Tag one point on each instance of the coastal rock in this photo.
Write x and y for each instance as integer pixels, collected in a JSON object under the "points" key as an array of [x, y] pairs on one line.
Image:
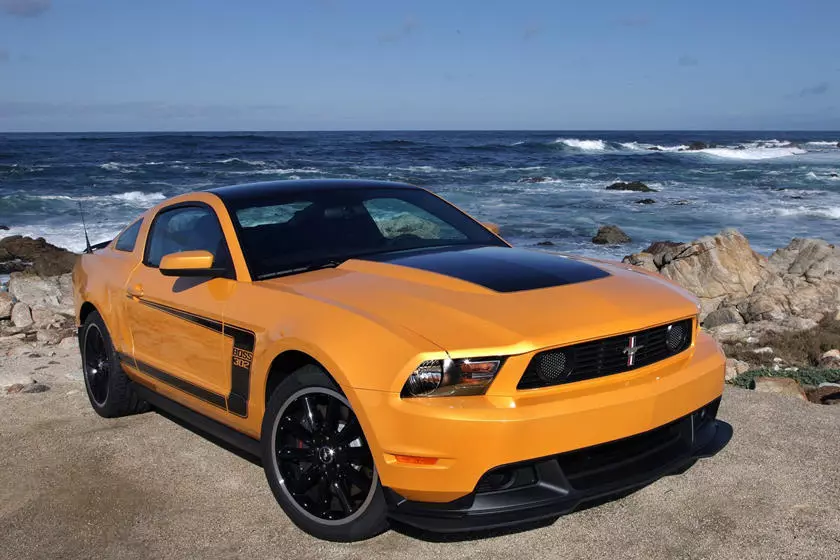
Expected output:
{"points": [[697, 145], [824, 394], [36, 255], [662, 251], [723, 316], [21, 315], [4, 227], [545, 244], [779, 385], [636, 186], [830, 359], [610, 235], [6, 304], [715, 269], [805, 283], [734, 368], [534, 179], [646, 201], [52, 336], [68, 343], [53, 293], [642, 260]]}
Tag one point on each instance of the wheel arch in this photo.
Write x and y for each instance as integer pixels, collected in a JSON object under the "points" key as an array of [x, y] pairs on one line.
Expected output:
{"points": [[285, 364]]}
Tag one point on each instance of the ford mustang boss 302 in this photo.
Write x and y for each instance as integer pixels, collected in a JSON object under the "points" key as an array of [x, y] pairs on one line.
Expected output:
{"points": [[387, 357]]}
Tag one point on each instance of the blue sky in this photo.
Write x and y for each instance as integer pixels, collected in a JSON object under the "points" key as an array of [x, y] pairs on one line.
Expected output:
{"points": [[357, 64]]}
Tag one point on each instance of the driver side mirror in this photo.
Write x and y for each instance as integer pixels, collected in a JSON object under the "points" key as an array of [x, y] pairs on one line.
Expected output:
{"points": [[492, 227], [190, 263]]}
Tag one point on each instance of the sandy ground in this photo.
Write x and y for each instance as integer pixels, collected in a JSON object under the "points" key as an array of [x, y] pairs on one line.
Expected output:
{"points": [[73, 485]]}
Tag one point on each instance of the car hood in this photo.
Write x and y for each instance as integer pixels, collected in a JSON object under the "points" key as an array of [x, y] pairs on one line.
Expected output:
{"points": [[471, 301]]}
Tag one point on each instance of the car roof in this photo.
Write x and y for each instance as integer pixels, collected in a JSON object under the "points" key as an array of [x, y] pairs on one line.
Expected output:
{"points": [[267, 188]]}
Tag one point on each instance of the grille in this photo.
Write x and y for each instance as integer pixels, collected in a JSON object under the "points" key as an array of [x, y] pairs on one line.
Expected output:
{"points": [[606, 356]]}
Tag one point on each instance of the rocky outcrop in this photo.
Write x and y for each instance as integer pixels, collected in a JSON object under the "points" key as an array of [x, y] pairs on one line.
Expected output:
{"points": [[18, 253], [646, 201], [697, 145], [610, 235], [717, 269], [830, 359], [6, 304], [636, 186], [54, 293]]}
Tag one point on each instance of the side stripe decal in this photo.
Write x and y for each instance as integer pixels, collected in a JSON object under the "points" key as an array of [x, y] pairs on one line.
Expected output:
{"points": [[206, 395], [240, 361]]}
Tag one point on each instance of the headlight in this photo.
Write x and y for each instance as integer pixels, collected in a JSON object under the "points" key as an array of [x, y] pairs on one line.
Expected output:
{"points": [[437, 378]]}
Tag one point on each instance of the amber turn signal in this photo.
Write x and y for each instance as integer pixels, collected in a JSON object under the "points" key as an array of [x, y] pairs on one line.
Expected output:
{"points": [[412, 460]]}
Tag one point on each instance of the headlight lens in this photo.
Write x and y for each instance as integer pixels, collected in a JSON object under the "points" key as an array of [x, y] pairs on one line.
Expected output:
{"points": [[437, 378]]}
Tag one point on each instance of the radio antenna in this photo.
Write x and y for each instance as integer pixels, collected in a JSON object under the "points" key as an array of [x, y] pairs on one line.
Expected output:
{"points": [[84, 227]]}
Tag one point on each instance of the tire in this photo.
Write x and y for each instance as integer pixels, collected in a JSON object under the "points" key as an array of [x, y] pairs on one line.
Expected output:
{"points": [[108, 388], [311, 462]]}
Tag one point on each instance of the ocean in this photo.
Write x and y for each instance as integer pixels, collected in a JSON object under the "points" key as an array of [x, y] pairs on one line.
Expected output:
{"points": [[538, 186]]}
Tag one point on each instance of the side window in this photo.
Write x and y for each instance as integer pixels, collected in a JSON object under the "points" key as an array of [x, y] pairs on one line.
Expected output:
{"points": [[189, 228], [396, 218], [128, 238]]}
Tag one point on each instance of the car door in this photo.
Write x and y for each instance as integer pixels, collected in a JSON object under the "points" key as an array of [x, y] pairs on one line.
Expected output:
{"points": [[176, 323]]}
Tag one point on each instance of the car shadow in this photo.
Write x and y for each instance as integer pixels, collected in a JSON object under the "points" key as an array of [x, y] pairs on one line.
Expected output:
{"points": [[251, 458]]}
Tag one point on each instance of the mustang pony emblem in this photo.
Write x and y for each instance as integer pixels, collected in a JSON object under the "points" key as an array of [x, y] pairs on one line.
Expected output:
{"points": [[631, 351]]}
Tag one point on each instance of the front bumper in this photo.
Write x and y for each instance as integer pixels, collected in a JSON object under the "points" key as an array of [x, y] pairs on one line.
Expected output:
{"points": [[470, 436], [552, 486]]}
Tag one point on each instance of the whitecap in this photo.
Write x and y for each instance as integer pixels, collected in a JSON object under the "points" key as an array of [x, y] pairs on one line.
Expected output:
{"points": [[822, 143], [586, 145], [256, 162], [751, 153], [136, 197], [832, 212]]}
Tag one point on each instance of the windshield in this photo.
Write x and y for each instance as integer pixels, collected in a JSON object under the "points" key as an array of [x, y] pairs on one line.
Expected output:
{"points": [[293, 232]]}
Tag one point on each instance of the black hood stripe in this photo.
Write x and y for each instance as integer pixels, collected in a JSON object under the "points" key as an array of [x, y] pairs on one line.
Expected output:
{"points": [[501, 269]]}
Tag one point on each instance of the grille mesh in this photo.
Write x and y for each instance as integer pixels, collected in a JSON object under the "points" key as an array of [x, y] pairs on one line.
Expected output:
{"points": [[606, 356]]}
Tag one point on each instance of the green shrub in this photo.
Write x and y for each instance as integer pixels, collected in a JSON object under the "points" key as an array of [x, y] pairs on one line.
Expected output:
{"points": [[805, 376]]}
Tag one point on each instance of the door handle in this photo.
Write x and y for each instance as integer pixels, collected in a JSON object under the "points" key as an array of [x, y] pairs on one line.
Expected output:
{"points": [[135, 291]]}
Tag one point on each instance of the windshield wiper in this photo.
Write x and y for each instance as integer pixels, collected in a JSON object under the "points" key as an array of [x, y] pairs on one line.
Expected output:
{"points": [[308, 267]]}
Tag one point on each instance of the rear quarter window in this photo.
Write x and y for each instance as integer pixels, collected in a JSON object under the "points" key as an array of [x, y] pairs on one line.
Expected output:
{"points": [[128, 238]]}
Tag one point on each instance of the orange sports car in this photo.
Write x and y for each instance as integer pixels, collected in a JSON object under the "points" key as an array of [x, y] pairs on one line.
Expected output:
{"points": [[389, 357]]}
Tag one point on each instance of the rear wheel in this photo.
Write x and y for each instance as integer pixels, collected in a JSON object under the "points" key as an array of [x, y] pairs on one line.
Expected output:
{"points": [[108, 388], [317, 460]]}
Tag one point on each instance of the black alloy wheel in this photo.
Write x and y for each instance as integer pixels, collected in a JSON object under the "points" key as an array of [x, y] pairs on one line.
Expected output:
{"points": [[318, 462], [97, 366]]}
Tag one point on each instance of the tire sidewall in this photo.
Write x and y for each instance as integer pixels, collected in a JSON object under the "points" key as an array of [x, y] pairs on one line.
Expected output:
{"points": [[94, 321], [370, 523]]}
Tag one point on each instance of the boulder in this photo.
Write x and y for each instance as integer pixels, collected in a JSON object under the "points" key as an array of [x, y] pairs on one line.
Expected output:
{"points": [[715, 269], [779, 385], [642, 260], [734, 368], [805, 283], [636, 186], [6, 304], [825, 394], [52, 336], [646, 201], [4, 227], [21, 315], [42, 258], [610, 235], [54, 294], [545, 244], [830, 359], [723, 316], [697, 145], [731, 332]]}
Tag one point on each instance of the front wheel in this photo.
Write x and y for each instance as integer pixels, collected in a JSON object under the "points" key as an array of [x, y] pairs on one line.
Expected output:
{"points": [[317, 461]]}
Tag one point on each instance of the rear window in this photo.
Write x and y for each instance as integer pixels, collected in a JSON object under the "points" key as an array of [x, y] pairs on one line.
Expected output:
{"points": [[128, 238]]}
